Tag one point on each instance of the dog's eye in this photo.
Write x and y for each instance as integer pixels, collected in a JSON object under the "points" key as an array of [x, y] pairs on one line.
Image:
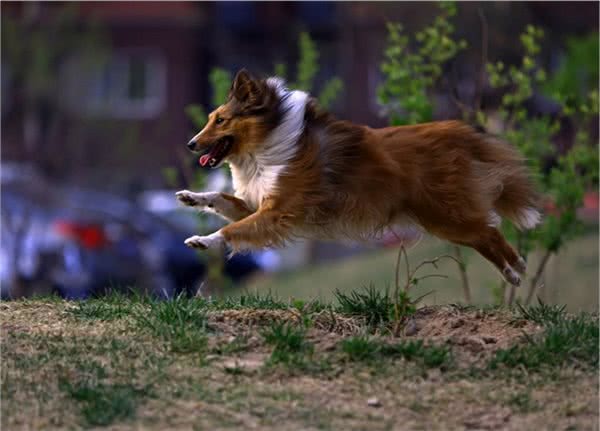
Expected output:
{"points": [[219, 120]]}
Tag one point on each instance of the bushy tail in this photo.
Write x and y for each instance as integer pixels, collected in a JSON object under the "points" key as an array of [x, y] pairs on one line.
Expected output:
{"points": [[518, 201]]}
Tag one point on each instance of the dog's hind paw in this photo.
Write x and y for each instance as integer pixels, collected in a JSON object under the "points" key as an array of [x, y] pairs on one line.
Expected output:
{"points": [[520, 266], [511, 276]]}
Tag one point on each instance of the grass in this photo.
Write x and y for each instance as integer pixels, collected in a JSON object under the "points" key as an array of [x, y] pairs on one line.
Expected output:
{"points": [[251, 300], [181, 322], [543, 313], [565, 339], [114, 305], [522, 401], [289, 344], [130, 362], [362, 348], [374, 305], [103, 404]]}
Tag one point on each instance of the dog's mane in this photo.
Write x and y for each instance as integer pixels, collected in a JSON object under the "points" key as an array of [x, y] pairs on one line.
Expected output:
{"points": [[255, 177]]}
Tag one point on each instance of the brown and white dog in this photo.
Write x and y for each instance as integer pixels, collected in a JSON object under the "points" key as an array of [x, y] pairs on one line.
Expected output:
{"points": [[299, 172]]}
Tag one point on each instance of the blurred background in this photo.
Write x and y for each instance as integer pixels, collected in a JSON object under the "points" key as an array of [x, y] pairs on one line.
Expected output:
{"points": [[100, 98]]}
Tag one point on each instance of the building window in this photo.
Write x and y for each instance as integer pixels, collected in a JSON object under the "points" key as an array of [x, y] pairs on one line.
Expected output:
{"points": [[131, 84]]}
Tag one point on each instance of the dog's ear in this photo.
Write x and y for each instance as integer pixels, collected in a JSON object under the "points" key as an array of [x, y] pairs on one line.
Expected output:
{"points": [[245, 88]]}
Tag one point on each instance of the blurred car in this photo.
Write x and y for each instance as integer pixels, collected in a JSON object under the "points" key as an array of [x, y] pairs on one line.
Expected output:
{"points": [[80, 242]]}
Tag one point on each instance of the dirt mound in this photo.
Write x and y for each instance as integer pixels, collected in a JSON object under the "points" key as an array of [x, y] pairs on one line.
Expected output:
{"points": [[471, 333]]}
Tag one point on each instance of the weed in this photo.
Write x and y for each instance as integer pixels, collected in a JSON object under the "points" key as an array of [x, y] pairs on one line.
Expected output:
{"points": [[181, 322], [432, 356], [108, 308], [290, 345], [360, 348], [542, 313], [567, 340], [238, 344], [252, 300], [372, 304], [363, 349], [104, 404], [522, 402]]}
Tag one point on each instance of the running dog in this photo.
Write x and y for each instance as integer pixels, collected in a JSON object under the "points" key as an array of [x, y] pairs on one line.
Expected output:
{"points": [[299, 172]]}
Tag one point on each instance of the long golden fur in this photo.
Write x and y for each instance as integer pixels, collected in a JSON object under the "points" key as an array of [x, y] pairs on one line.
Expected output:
{"points": [[336, 179]]}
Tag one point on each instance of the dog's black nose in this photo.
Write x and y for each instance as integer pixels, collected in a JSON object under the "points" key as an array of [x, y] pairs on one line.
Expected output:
{"points": [[191, 144]]}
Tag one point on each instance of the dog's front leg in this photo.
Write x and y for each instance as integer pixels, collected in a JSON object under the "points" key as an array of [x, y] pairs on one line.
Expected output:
{"points": [[227, 206], [266, 227]]}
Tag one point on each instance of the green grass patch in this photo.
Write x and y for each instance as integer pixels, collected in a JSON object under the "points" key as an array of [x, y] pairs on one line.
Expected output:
{"points": [[542, 313], [113, 306], [566, 340], [362, 348], [374, 305], [181, 322], [251, 300], [522, 402], [103, 404], [290, 346]]}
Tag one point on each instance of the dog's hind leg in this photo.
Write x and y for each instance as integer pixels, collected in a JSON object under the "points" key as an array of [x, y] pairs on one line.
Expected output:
{"points": [[227, 206], [489, 242]]}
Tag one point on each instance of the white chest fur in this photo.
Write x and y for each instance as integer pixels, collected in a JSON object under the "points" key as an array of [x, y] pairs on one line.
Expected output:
{"points": [[255, 175], [252, 182]]}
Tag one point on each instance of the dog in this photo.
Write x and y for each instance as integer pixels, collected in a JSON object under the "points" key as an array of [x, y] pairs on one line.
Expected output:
{"points": [[298, 172]]}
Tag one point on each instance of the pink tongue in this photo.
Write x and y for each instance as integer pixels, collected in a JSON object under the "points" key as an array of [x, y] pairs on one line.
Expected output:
{"points": [[204, 159]]}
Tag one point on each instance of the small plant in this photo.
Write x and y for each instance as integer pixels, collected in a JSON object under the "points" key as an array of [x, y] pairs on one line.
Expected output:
{"points": [[542, 313], [360, 348], [568, 340], [404, 306], [112, 306], [431, 356], [181, 322], [290, 345], [253, 300], [522, 402], [103, 403], [374, 305], [237, 345]]}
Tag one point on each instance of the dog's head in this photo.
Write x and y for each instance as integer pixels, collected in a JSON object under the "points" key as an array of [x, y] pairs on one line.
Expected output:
{"points": [[238, 127]]}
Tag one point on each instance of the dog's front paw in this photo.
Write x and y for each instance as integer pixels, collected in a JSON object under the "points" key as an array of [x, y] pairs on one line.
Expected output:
{"points": [[197, 242], [214, 240], [187, 198]]}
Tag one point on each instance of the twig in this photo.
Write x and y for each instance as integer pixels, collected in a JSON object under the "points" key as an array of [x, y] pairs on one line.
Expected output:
{"points": [[398, 267], [465, 110], [432, 275], [511, 295], [432, 262], [463, 274], [537, 276], [503, 293]]}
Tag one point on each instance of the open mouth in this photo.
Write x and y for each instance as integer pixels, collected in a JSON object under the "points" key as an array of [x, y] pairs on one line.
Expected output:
{"points": [[213, 157]]}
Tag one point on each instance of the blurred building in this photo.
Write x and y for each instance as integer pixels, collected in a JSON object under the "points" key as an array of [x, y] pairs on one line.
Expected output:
{"points": [[122, 120]]}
